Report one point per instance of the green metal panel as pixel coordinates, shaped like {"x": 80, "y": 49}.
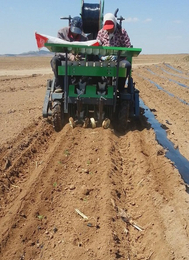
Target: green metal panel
{"x": 92, "y": 71}
{"x": 90, "y": 92}
{"x": 96, "y": 50}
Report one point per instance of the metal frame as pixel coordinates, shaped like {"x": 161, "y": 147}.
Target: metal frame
{"x": 90, "y": 97}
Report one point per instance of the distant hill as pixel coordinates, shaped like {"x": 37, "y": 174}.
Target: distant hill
{"x": 31, "y": 53}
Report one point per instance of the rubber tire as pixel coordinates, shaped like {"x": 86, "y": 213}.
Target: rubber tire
{"x": 57, "y": 116}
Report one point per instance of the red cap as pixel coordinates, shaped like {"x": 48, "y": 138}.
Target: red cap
{"x": 108, "y": 25}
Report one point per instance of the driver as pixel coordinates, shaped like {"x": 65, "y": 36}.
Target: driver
{"x": 72, "y": 33}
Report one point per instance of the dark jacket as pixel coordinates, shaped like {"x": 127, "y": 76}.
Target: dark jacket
{"x": 66, "y": 35}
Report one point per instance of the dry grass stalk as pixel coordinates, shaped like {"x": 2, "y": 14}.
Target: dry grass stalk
{"x": 81, "y": 214}
{"x": 124, "y": 216}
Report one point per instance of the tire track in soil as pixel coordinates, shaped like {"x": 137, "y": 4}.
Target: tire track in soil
{"x": 85, "y": 190}
{"x": 16, "y": 154}
{"x": 15, "y": 84}
{"x": 88, "y": 169}
{"x": 98, "y": 172}
{"x": 20, "y": 166}
{"x": 151, "y": 186}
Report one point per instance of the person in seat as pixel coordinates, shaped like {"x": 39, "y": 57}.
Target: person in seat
{"x": 71, "y": 33}
{"x": 112, "y": 34}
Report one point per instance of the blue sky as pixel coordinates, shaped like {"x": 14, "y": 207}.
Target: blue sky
{"x": 156, "y": 26}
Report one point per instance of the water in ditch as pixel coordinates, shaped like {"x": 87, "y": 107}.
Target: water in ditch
{"x": 180, "y": 162}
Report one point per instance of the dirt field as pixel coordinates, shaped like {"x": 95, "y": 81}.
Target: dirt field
{"x": 135, "y": 202}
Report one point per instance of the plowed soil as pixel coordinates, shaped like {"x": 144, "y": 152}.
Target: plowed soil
{"x": 92, "y": 193}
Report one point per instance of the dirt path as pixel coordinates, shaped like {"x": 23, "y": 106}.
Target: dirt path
{"x": 134, "y": 199}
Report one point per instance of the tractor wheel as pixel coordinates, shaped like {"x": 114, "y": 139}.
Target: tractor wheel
{"x": 123, "y": 115}
{"x": 57, "y": 116}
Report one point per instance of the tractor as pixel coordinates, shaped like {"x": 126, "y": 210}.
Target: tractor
{"x": 91, "y": 96}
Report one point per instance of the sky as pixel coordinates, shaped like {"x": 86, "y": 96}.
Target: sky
{"x": 156, "y": 26}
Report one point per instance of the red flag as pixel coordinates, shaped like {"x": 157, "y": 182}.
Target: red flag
{"x": 96, "y": 44}
{"x": 41, "y": 40}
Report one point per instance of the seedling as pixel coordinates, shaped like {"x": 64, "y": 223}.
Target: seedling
{"x": 40, "y": 217}
{"x": 66, "y": 152}
{"x": 55, "y": 184}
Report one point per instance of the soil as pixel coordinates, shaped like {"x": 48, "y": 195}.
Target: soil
{"x": 134, "y": 201}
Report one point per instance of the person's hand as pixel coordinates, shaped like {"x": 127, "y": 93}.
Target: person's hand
{"x": 77, "y": 57}
{"x": 71, "y": 57}
{"x": 108, "y": 58}
{"x": 113, "y": 58}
